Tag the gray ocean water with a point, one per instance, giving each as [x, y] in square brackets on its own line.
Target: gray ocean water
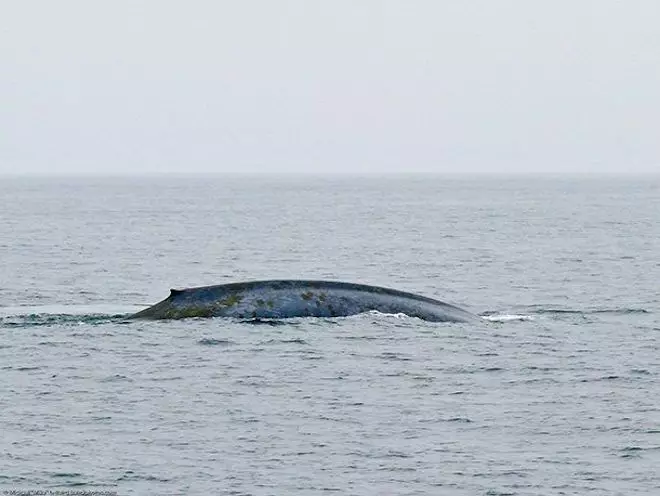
[557, 392]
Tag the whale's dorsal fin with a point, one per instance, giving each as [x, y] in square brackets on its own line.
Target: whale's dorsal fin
[174, 292]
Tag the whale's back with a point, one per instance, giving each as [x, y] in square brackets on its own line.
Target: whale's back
[289, 298]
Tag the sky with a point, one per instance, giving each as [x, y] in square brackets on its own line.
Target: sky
[341, 86]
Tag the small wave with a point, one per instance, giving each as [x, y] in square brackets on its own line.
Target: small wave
[463, 420]
[506, 317]
[130, 475]
[619, 311]
[116, 378]
[265, 322]
[45, 320]
[636, 451]
[39, 316]
[376, 313]
[591, 311]
[398, 357]
[286, 341]
[214, 342]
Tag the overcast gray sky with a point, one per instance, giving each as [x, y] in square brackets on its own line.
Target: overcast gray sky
[329, 86]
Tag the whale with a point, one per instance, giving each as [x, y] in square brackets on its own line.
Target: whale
[290, 298]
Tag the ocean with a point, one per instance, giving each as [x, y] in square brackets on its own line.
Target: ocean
[557, 392]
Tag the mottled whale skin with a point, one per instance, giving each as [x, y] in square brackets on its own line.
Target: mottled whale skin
[281, 299]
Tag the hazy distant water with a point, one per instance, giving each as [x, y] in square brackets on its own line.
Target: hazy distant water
[563, 399]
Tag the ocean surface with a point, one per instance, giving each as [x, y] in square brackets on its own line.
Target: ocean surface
[557, 392]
